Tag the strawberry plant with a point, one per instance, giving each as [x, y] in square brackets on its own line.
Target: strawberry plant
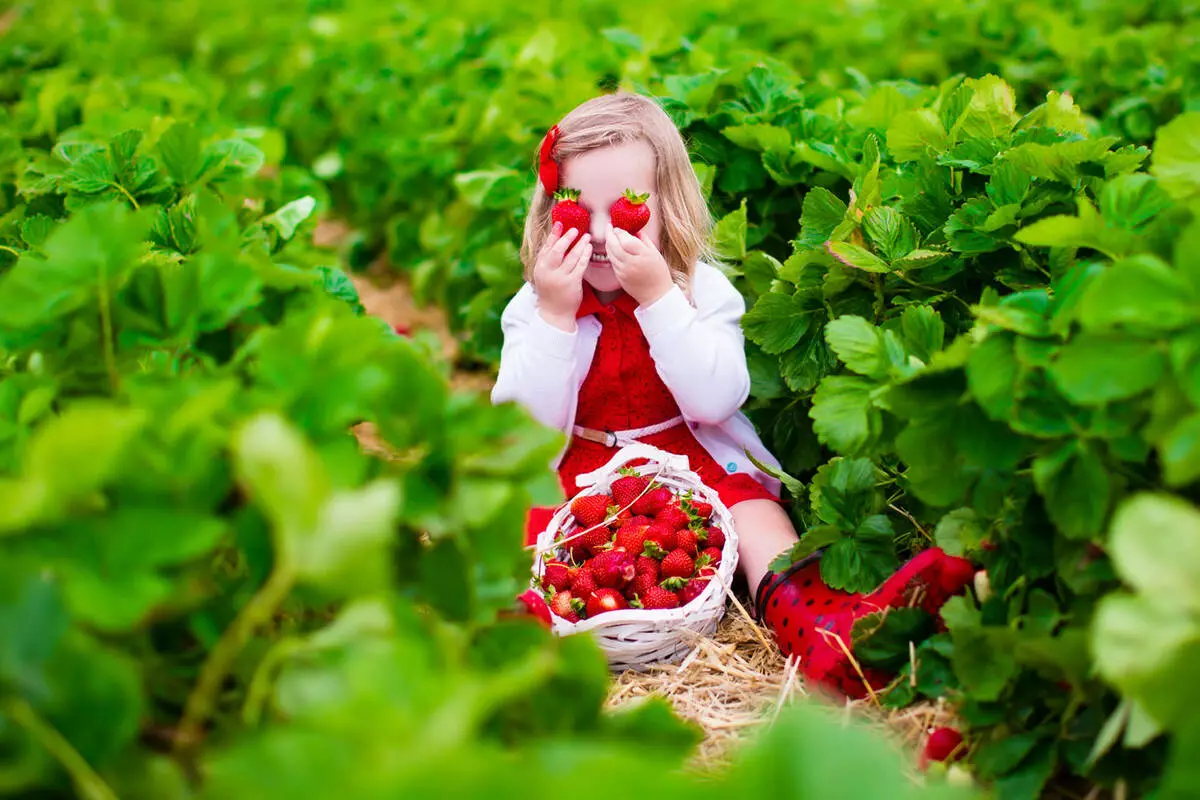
[987, 316]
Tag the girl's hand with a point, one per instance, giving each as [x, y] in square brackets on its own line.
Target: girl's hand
[558, 276]
[638, 265]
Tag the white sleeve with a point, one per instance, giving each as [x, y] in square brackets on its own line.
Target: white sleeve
[537, 362]
[699, 351]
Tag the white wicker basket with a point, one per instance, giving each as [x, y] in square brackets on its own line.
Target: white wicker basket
[637, 638]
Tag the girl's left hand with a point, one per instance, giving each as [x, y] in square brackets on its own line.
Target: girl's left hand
[638, 265]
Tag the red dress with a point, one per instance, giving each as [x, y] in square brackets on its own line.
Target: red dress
[623, 391]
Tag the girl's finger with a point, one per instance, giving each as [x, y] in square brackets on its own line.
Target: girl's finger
[615, 245]
[582, 261]
[560, 247]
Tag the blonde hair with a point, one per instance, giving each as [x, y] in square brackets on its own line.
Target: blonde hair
[616, 119]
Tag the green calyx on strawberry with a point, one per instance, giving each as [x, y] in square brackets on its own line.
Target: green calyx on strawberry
[572, 215]
[674, 584]
[697, 510]
[630, 212]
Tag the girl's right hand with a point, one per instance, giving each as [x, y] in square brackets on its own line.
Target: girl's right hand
[558, 276]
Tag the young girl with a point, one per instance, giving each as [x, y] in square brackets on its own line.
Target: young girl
[616, 338]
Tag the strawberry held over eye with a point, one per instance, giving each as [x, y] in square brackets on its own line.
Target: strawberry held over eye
[568, 211]
[630, 212]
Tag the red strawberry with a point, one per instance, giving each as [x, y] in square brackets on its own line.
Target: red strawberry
[698, 509]
[535, 605]
[713, 554]
[678, 564]
[653, 501]
[687, 541]
[714, 537]
[645, 565]
[693, 589]
[590, 509]
[632, 538]
[583, 545]
[660, 540]
[572, 215]
[566, 606]
[630, 212]
[940, 744]
[641, 583]
[657, 597]
[604, 600]
[612, 568]
[673, 517]
[626, 489]
[584, 584]
[620, 517]
[557, 576]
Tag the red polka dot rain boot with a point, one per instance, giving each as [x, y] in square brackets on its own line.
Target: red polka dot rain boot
[813, 622]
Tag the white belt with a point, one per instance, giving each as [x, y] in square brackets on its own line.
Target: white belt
[624, 438]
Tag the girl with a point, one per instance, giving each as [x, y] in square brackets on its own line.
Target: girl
[617, 338]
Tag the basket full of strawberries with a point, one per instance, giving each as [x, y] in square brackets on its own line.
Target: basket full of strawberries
[641, 559]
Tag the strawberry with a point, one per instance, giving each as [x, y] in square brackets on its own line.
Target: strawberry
[620, 517]
[591, 509]
[604, 600]
[565, 605]
[714, 555]
[630, 212]
[641, 583]
[660, 540]
[584, 584]
[645, 565]
[532, 602]
[586, 544]
[657, 597]
[612, 568]
[652, 501]
[714, 537]
[557, 576]
[693, 589]
[626, 489]
[942, 742]
[673, 516]
[632, 538]
[678, 564]
[687, 541]
[572, 215]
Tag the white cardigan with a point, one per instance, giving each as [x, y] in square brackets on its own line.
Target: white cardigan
[698, 352]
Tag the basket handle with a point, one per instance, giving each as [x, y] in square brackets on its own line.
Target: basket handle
[629, 453]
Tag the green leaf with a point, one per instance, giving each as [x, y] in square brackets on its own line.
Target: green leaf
[844, 416]
[991, 113]
[763, 138]
[856, 257]
[844, 493]
[1094, 369]
[1025, 312]
[1180, 452]
[776, 322]
[1077, 488]
[858, 564]
[337, 284]
[891, 233]
[923, 331]
[822, 212]
[881, 640]
[760, 270]
[1141, 292]
[916, 134]
[960, 532]
[864, 348]
[33, 621]
[232, 159]
[919, 259]
[491, 188]
[95, 246]
[1131, 201]
[289, 217]
[992, 373]
[729, 234]
[1155, 545]
[181, 153]
[1176, 158]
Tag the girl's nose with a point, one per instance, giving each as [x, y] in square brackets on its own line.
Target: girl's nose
[599, 226]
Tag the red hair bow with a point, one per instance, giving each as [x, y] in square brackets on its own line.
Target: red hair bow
[547, 166]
